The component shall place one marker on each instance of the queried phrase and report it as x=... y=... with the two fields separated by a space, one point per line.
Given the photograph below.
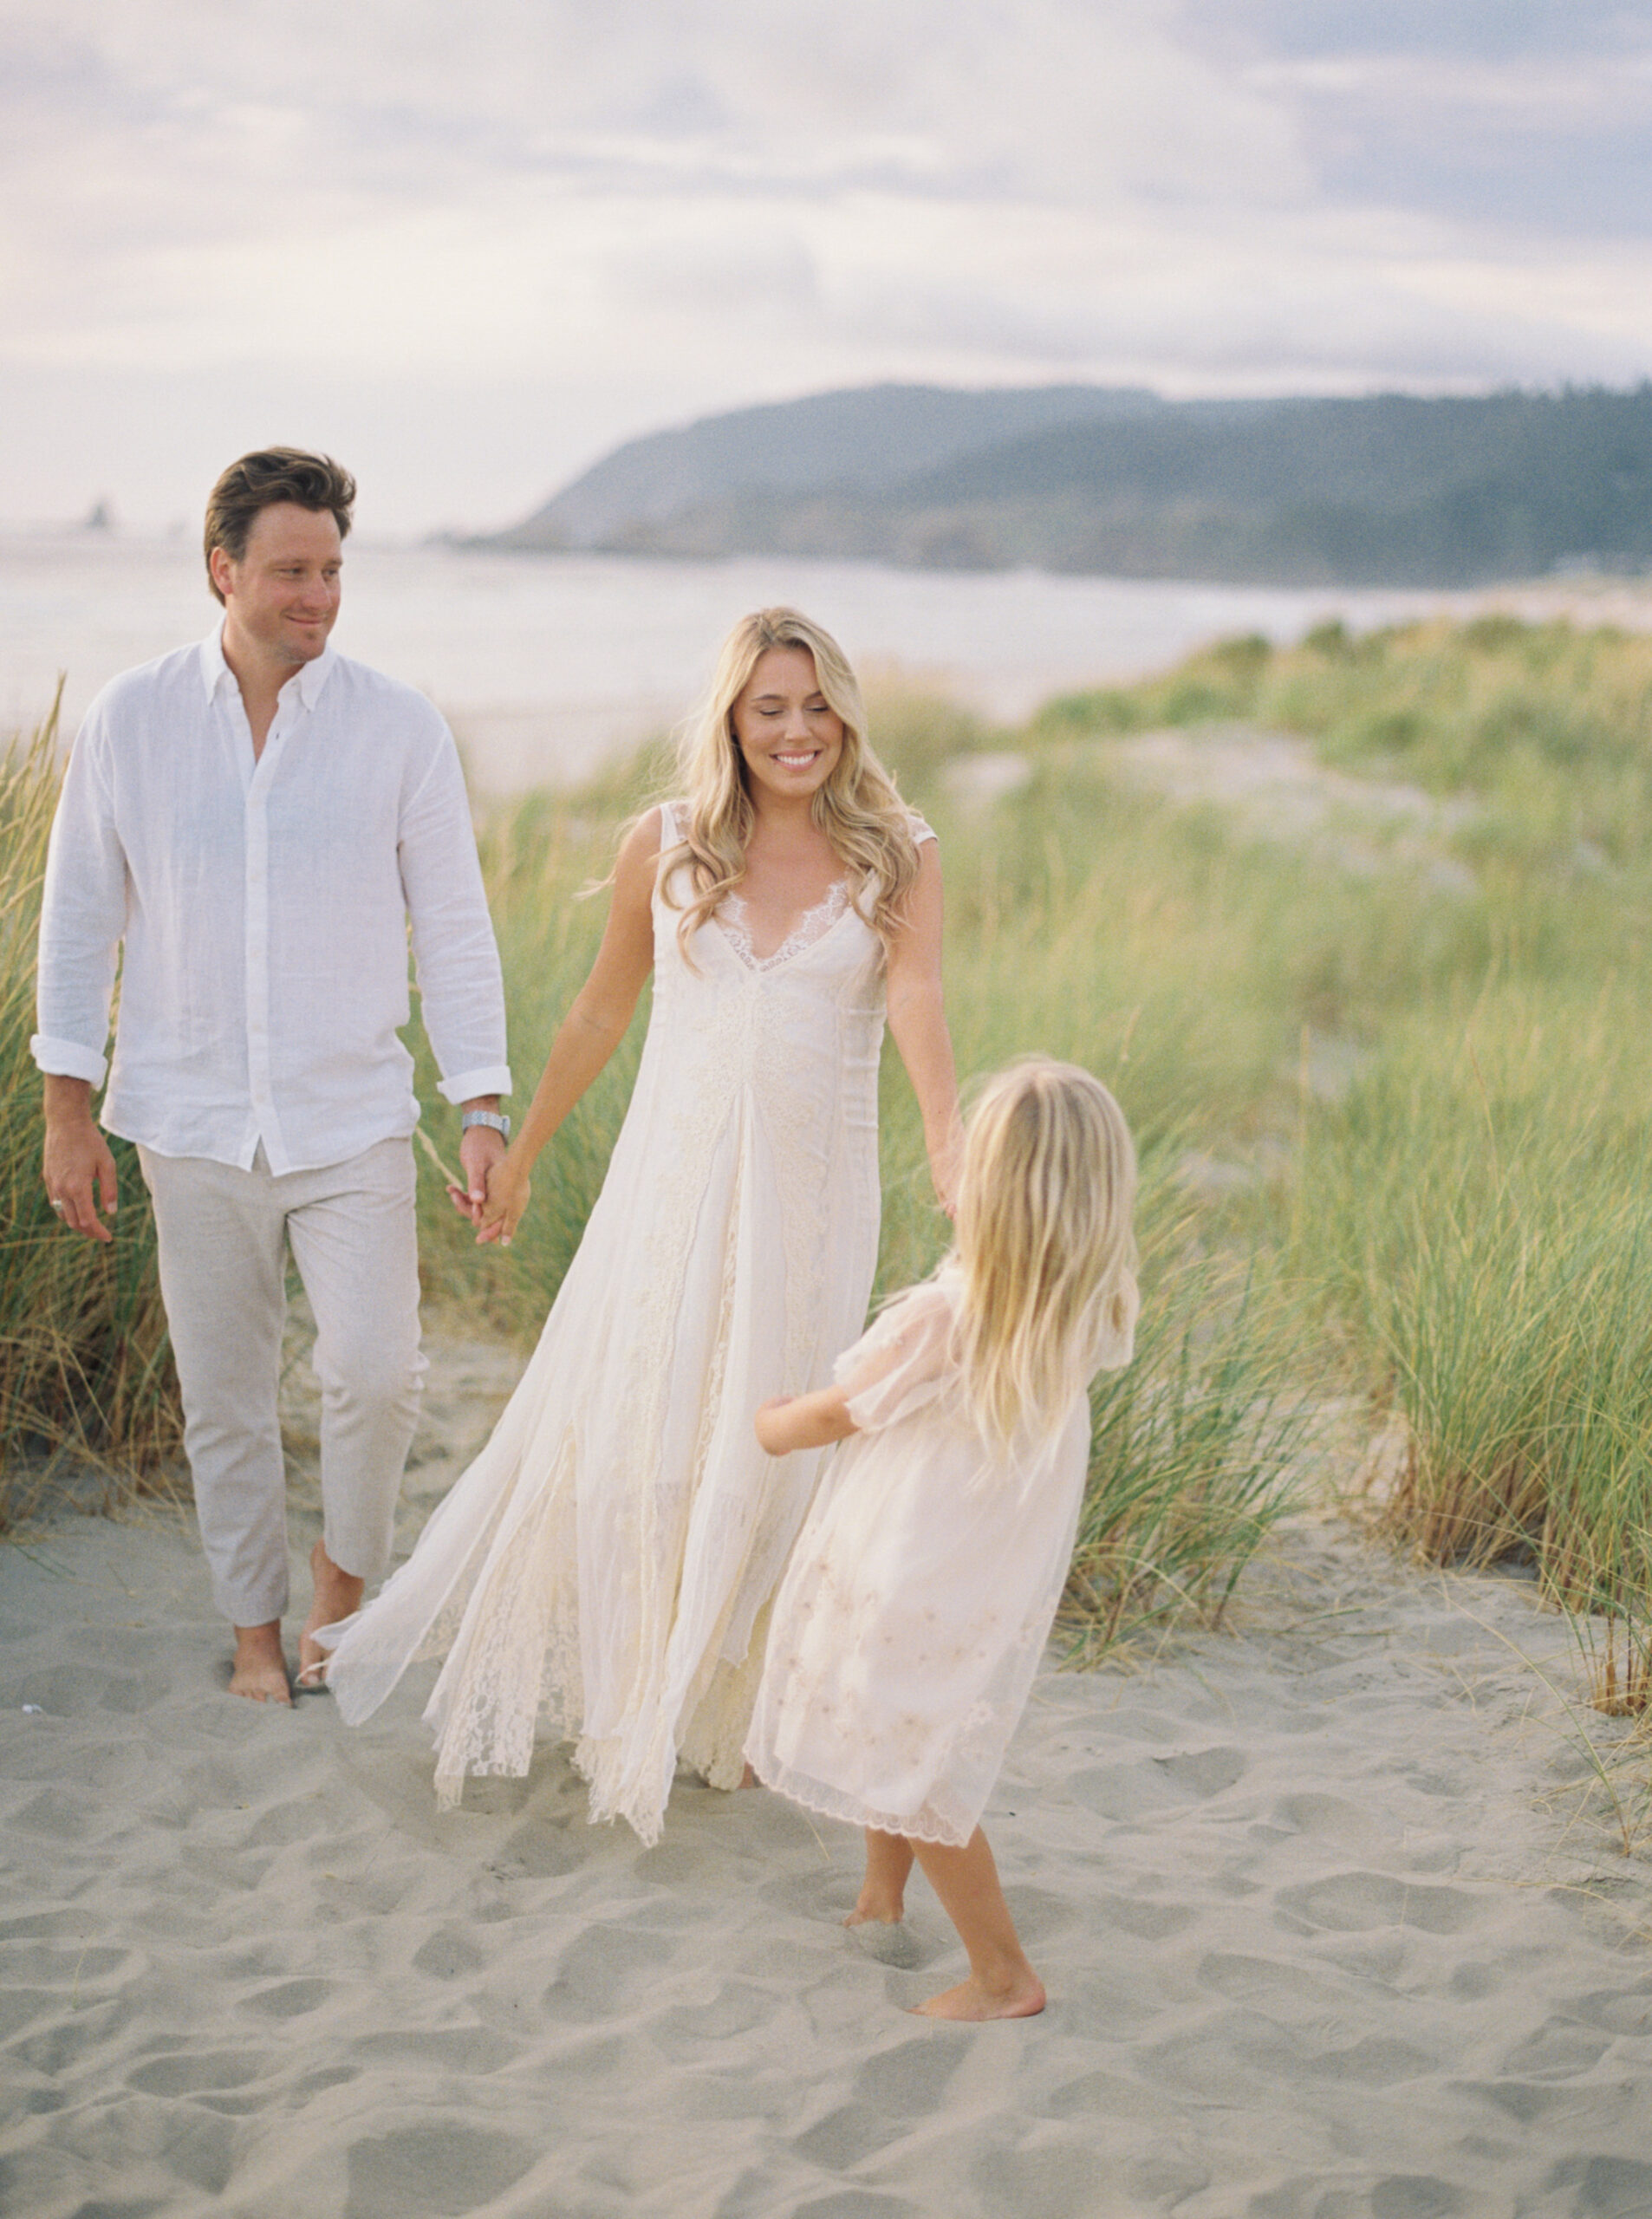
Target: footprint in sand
x=895 y=1944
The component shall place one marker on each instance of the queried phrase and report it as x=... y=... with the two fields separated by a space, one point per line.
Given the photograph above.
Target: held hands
x=479 y=1149
x=482 y=1152
x=509 y=1189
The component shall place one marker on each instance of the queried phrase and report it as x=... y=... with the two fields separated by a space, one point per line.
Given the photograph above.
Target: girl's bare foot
x=260 y=1670
x=874 y=1906
x=972 y=2000
x=882 y=1899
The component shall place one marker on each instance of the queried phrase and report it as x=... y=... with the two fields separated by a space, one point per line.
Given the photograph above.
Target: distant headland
x=1390 y=489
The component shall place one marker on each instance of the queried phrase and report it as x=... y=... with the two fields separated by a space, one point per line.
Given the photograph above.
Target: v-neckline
x=739 y=941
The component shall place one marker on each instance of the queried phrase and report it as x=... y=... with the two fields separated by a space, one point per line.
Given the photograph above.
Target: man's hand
x=77 y=1167
x=478 y=1151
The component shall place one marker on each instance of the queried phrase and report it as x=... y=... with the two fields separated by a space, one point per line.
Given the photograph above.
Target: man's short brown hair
x=259 y=481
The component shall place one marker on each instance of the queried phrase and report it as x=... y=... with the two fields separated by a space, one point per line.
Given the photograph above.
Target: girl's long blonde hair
x=1045 y=1243
x=857 y=808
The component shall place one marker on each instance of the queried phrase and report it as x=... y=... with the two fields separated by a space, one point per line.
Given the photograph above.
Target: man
x=257 y=819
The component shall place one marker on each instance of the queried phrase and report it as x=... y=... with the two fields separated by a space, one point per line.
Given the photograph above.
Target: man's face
x=282 y=597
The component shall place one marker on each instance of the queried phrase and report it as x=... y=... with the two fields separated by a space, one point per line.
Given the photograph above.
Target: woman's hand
x=946 y=1159
x=508 y=1195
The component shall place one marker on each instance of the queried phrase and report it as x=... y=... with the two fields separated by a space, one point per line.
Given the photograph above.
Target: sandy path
x=1326 y=1936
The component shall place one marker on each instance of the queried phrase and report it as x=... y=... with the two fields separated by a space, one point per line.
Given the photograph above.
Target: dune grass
x=1478 y=1216
x=1468 y=1227
x=85 y=1377
x=1391 y=1102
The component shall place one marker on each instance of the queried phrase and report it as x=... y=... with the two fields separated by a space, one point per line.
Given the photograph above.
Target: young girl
x=910 y=1622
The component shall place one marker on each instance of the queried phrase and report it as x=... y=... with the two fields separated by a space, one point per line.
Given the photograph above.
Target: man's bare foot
x=260 y=1670
x=338 y=1595
x=973 y=2000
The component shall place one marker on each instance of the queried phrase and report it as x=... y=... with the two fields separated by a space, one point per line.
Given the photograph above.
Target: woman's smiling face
x=788 y=733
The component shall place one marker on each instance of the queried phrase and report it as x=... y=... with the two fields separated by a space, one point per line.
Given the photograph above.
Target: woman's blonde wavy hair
x=858 y=809
x=1044 y=1242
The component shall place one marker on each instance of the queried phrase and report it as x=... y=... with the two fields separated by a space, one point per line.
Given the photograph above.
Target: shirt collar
x=214 y=669
x=311 y=676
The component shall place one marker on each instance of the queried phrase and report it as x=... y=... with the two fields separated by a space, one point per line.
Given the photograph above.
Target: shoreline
x=551 y=668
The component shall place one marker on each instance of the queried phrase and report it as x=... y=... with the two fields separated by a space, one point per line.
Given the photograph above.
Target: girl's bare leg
x=1001 y=1983
x=883 y=1892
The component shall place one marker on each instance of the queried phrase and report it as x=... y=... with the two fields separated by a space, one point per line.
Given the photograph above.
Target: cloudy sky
x=470 y=244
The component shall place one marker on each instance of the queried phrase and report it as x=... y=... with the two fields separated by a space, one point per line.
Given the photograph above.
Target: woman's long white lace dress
x=608 y=1561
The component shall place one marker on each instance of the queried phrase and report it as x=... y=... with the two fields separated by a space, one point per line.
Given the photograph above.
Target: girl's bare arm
x=796 y=1422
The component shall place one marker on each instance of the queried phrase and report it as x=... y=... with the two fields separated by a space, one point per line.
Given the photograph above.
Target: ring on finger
x=61 y=1209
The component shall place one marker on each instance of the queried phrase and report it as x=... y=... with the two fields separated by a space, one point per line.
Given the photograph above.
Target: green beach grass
x=1463 y=1231
x=1386 y=1075
x=86 y=1383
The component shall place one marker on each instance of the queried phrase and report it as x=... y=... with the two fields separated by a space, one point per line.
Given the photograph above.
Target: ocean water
x=546 y=664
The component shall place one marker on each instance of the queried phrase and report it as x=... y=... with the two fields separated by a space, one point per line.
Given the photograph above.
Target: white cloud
x=592 y=220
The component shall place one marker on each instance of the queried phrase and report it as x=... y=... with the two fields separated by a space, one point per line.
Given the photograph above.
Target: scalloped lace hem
x=927 y=1825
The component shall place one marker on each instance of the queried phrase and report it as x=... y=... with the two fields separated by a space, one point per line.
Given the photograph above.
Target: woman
x=611 y=1554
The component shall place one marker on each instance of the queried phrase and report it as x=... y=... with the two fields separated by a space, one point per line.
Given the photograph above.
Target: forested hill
x=1390 y=489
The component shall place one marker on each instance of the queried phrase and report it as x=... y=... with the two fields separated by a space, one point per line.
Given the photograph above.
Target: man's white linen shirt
x=264 y=905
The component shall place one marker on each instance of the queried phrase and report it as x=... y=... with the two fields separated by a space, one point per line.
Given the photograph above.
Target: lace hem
x=926 y=1825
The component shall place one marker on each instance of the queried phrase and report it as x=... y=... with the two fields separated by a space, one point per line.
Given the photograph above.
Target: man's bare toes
x=261 y=1685
x=260 y=1669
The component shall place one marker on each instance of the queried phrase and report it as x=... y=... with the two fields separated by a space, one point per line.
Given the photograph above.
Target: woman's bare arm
x=918 y=1022
x=591 y=1030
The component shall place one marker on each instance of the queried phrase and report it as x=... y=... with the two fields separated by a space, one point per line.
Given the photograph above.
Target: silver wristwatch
x=495 y=1120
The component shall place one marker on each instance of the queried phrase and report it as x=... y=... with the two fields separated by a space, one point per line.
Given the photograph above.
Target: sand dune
x=1330 y=1929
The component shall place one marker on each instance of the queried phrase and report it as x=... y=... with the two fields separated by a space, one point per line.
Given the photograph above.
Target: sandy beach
x=1332 y=1922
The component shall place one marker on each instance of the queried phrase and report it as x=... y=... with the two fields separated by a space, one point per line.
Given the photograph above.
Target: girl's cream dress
x=916 y=1606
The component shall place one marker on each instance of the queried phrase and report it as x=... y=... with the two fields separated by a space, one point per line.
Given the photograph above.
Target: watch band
x=495 y=1120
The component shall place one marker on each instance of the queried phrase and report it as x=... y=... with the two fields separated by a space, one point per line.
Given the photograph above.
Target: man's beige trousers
x=224 y=1236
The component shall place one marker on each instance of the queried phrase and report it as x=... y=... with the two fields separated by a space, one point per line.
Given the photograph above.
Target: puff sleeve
x=903 y=1362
